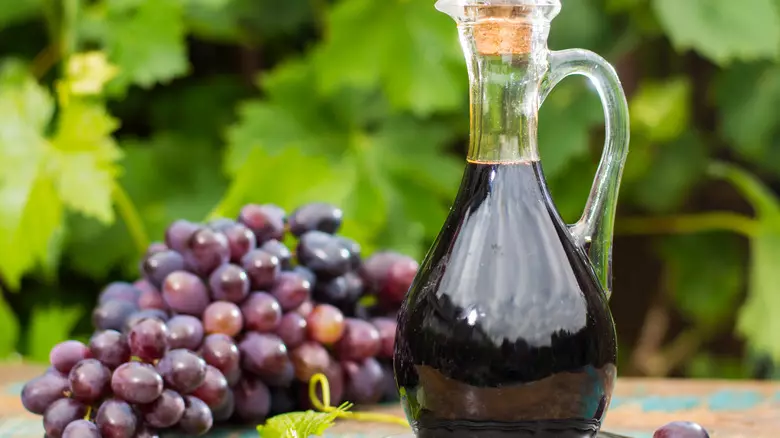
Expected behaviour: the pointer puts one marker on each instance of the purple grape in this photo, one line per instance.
(360, 341)
(221, 352)
(306, 273)
(150, 297)
(309, 359)
(266, 221)
(229, 283)
(681, 429)
(253, 400)
(119, 291)
(110, 348)
(389, 388)
(291, 290)
(197, 418)
(148, 339)
(206, 251)
(315, 216)
(342, 292)
(365, 381)
(178, 234)
(185, 331)
(262, 268)
(280, 250)
(155, 247)
(182, 370)
(233, 376)
(158, 266)
(283, 400)
(386, 328)
(185, 293)
(241, 240)
(354, 251)
(137, 383)
(81, 429)
(89, 380)
(165, 411)
(223, 317)
(214, 388)
(67, 354)
(292, 329)
(389, 275)
(60, 414)
(112, 315)
(116, 419)
(220, 224)
(261, 312)
(224, 411)
(263, 354)
(42, 391)
(323, 254)
(137, 317)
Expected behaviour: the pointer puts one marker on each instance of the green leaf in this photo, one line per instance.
(405, 47)
(247, 21)
(723, 30)
(581, 24)
(50, 325)
(706, 275)
(15, 11)
(661, 111)
(300, 424)
(9, 330)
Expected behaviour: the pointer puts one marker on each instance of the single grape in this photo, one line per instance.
(158, 266)
(81, 429)
(112, 315)
(224, 411)
(197, 418)
(206, 251)
(253, 400)
(376, 273)
(67, 354)
(291, 290)
(280, 250)
(283, 400)
(335, 375)
(263, 354)
(262, 268)
(386, 328)
(292, 330)
(60, 414)
(110, 348)
(305, 308)
(360, 341)
(306, 273)
(315, 216)
(42, 391)
(89, 380)
(140, 315)
(342, 292)
(309, 359)
(116, 419)
(223, 317)
(229, 283)
(182, 370)
(119, 291)
(137, 382)
(323, 254)
(681, 429)
(178, 234)
(398, 281)
(354, 251)
(165, 411)
(325, 324)
(389, 388)
(184, 331)
(266, 221)
(241, 240)
(214, 388)
(185, 293)
(364, 381)
(221, 352)
(148, 339)
(150, 297)
(261, 312)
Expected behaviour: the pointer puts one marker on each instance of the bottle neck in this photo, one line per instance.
(505, 75)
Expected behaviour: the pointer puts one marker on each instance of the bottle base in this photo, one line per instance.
(484, 429)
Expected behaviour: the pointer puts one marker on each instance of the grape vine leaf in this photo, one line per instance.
(723, 30)
(49, 325)
(661, 111)
(407, 48)
(757, 321)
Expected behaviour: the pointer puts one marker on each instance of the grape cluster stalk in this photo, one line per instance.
(228, 323)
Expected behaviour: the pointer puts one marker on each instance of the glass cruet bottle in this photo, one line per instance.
(506, 330)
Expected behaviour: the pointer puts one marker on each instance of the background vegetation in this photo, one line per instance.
(118, 116)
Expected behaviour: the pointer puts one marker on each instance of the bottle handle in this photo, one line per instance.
(596, 226)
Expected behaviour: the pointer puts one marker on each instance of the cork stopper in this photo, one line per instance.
(502, 29)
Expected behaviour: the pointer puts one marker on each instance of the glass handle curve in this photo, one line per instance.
(596, 226)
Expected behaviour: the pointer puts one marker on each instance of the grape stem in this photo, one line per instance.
(341, 412)
(129, 213)
(688, 224)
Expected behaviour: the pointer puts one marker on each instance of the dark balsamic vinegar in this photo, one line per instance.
(506, 331)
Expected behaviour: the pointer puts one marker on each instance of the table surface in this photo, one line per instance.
(728, 409)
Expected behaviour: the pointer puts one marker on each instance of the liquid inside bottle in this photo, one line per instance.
(506, 331)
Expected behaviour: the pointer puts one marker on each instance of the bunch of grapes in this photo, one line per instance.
(228, 323)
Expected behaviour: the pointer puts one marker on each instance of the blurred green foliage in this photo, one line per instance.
(119, 116)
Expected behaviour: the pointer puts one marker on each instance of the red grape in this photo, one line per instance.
(148, 339)
(206, 251)
(261, 267)
(681, 429)
(197, 418)
(387, 328)
(229, 283)
(116, 419)
(266, 221)
(241, 240)
(323, 254)
(309, 359)
(81, 429)
(137, 382)
(316, 216)
(60, 414)
(150, 297)
(291, 290)
(264, 355)
(214, 388)
(119, 291)
(112, 315)
(140, 315)
(262, 312)
(165, 411)
(182, 370)
(360, 341)
(89, 380)
(280, 251)
(178, 234)
(253, 400)
(223, 317)
(325, 324)
(221, 352)
(67, 354)
(40, 392)
(185, 331)
(110, 348)
(185, 293)
(158, 266)
(292, 329)
(365, 381)
(398, 281)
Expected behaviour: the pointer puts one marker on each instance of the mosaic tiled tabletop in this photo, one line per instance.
(726, 409)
